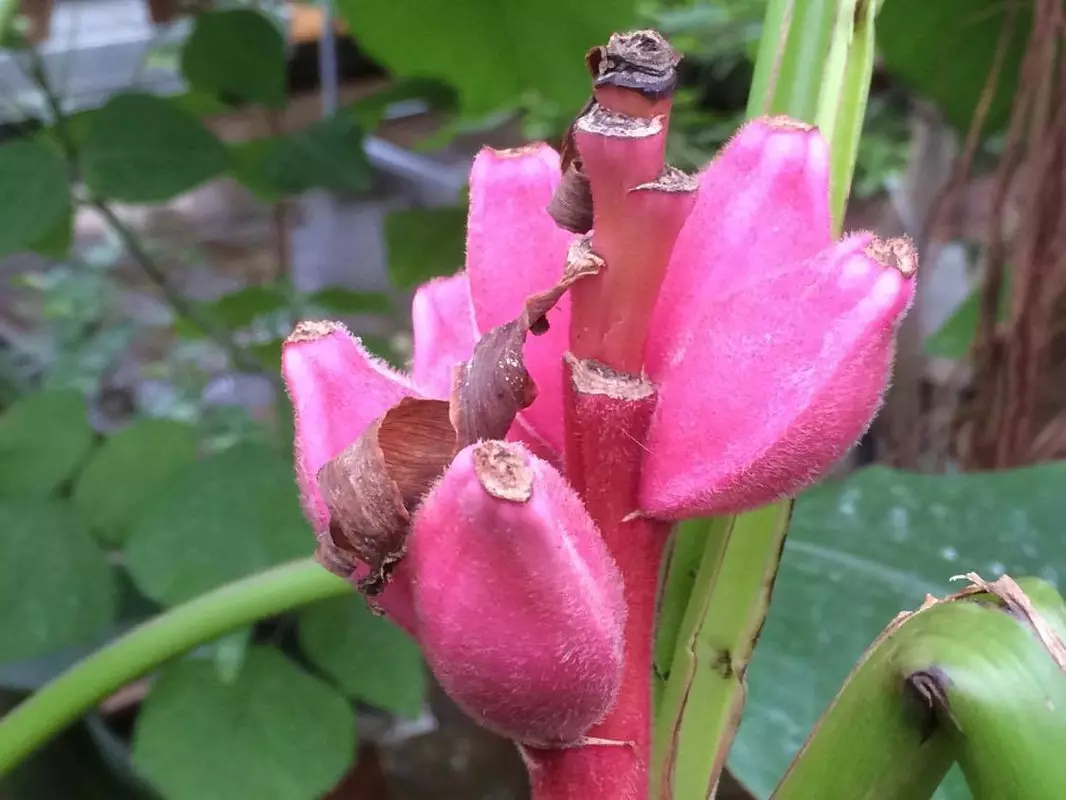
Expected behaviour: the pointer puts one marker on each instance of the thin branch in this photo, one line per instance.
(185, 307)
(181, 304)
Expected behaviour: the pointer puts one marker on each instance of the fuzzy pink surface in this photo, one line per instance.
(514, 249)
(776, 379)
(444, 332)
(519, 606)
(763, 204)
(337, 389)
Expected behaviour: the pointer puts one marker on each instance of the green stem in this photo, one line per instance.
(705, 693)
(961, 678)
(875, 741)
(685, 553)
(842, 108)
(999, 693)
(61, 702)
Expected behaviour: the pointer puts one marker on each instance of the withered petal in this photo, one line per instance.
(418, 443)
(372, 488)
(571, 205)
(493, 386)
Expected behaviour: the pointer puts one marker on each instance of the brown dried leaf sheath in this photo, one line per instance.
(493, 386)
(374, 487)
(641, 61)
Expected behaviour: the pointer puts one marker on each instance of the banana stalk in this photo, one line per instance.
(977, 676)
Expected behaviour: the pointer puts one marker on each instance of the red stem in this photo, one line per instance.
(607, 416)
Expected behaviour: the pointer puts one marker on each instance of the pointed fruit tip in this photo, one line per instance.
(503, 471)
(671, 180)
(781, 122)
(899, 254)
(313, 330)
(601, 121)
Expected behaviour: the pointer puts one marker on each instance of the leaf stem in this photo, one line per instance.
(182, 305)
(62, 701)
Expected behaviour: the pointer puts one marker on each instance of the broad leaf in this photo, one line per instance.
(250, 160)
(268, 354)
(55, 243)
(34, 193)
(276, 733)
(231, 652)
(144, 149)
(128, 470)
(56, 589)
(370, 111)
(493, 54)
(237, 310)
(327, 155)
(370, 658)
(946, 50)
(43, 438)
(424, 243)
(214, 521)
(241, 308)
(338, 300)
(236, 52)
(859, 551)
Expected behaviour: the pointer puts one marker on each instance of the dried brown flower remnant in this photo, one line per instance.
(493, 386)
(641, 61)
(503, 471)
(571, 205)
(372, 488)
(898, 253)
(634, 74)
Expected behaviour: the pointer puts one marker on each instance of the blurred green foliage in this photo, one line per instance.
(100, 528)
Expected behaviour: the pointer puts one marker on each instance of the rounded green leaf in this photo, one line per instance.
(127, 470)
(237, 52)
(424, 243)
(370, 658)
(492, 53)
(43, 438)
(859, 551)
(276, 733)
(250, 160)
(34, 193)
(214, 521)
(144, 149)
(56, 242)
(328, 154)
(325, 155)
(342, 301)
(56, 588)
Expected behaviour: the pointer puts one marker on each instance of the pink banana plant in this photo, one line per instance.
(628, 346)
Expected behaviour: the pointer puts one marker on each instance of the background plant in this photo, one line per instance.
(116, 525)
